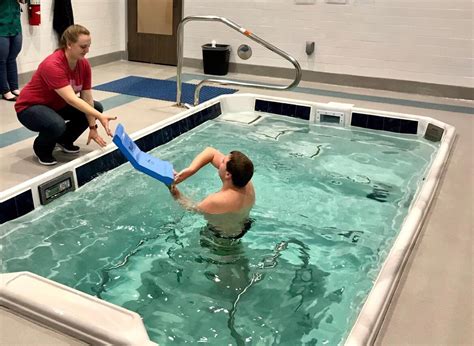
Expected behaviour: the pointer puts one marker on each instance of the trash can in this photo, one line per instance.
(216, 59)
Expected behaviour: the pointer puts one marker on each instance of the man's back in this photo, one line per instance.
(228, 210)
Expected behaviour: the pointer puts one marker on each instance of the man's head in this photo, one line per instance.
(239, 167)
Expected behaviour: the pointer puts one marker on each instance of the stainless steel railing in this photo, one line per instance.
(225, 81)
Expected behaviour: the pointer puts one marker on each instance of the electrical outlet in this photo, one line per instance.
(305, 2)
(342, 2)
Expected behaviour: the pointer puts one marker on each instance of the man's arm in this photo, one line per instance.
(208, 155)
(184, 201)
(212, 204)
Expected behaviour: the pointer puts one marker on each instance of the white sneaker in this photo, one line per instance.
(47, 161)
(69, 148)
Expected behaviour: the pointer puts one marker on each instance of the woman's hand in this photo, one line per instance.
(94, 135)
(184, 174)
(104, 121)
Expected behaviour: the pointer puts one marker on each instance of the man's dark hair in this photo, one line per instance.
(240, 167)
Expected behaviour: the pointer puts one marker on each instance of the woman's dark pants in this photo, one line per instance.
(52, 127)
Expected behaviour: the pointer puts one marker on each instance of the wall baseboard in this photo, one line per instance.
(410, 87)
(24, 78)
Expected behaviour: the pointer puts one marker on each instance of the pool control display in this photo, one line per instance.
(329, 117)
(56, 187)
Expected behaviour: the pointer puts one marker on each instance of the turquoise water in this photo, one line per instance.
(330, 202)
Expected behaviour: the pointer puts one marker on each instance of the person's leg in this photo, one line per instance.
(76, 125)
(12, 69)
(4, 49)
(50, 126)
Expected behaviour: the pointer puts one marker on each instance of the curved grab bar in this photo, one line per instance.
(224, 81)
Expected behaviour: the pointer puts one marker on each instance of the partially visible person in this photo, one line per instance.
(227, 211)
(51, 97)
(10, 46)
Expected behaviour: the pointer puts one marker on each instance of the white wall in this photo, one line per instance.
(105, 19)
(419, 40)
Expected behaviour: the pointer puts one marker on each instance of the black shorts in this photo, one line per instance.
(247, 225)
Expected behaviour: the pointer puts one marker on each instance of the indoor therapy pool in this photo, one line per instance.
(333, 194)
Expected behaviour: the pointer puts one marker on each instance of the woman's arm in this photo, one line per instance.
(86, 95)
(67, 93)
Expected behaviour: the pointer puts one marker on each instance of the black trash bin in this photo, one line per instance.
(216, 59)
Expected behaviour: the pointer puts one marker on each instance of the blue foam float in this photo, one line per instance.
(146, 163)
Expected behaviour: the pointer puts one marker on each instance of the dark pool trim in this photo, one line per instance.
(281, 108)
(376, 122)
(22, 203)
(16, 206)
(357, 119)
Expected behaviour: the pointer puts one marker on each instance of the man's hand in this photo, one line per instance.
(184, 174)
(104, 121)
(94, 135)
(174, 191)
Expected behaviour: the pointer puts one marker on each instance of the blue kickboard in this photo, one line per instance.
(146, 163)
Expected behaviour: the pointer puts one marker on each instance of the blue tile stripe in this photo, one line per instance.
(117, 101)
(15, 136)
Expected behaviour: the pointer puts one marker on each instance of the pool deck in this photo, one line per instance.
(433, 301)
(31, 332)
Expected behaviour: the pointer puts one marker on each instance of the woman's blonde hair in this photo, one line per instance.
(71, 35)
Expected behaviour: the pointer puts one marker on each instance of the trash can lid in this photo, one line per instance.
(208, 46)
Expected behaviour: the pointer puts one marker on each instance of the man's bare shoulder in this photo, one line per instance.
(216, 203)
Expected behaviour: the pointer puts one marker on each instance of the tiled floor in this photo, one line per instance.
(433, 303)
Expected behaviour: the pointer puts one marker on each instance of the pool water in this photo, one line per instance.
(330, 202)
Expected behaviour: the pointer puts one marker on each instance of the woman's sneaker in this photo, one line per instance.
(47, 160)
(69, 148)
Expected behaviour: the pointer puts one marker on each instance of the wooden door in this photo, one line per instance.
(153, 48)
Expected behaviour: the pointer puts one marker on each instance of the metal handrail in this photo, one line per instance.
(225, 81)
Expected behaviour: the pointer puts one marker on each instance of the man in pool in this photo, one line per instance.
(227, 210)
